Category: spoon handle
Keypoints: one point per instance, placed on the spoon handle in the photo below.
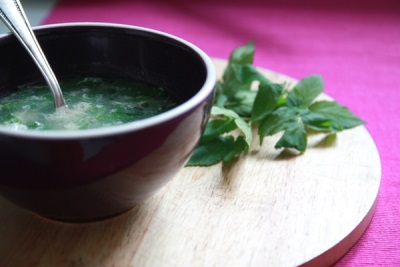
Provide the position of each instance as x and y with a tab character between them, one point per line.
13	15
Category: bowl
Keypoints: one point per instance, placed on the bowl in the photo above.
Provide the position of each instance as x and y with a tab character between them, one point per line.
86	175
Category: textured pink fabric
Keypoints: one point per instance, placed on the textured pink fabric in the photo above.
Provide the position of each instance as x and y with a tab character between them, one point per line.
354	45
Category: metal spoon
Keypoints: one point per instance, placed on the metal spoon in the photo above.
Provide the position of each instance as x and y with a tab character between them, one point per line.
13	15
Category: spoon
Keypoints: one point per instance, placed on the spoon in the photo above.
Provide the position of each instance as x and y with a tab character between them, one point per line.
13	16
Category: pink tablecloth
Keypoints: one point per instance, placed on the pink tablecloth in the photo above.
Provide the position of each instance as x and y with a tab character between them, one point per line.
355	45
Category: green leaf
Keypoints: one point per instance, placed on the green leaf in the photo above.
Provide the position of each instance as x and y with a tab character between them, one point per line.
239	77
304	93
341	117
266	100
219	97
279	120
287	120
242	103
316	121
235	91
243	126
237	88
221	149
220	100
243	54
293	137
270	107
215	128
235	149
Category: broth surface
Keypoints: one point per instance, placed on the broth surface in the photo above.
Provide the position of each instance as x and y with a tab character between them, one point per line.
92	103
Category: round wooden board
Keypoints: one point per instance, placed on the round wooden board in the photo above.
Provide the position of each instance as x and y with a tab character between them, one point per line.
268	209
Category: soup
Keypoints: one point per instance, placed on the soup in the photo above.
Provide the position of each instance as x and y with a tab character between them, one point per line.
93	102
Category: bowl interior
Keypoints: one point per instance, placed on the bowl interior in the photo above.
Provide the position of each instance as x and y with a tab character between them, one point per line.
107	51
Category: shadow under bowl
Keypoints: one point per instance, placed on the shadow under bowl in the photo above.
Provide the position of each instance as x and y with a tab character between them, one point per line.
83	175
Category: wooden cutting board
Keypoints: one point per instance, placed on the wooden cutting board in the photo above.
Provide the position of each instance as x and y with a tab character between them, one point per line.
268	209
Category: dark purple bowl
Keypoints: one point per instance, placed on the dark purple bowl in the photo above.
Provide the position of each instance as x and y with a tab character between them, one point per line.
91	174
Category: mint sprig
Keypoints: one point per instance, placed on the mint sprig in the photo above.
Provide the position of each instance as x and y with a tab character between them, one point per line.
271	108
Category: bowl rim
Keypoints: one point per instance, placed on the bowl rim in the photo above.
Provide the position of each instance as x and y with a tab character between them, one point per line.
206	89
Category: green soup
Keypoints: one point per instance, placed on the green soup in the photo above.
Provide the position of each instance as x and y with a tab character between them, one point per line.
92	103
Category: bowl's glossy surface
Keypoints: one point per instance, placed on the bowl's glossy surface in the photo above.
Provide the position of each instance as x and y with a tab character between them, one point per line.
96	173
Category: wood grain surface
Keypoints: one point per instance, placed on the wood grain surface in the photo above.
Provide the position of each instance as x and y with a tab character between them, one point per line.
270	208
